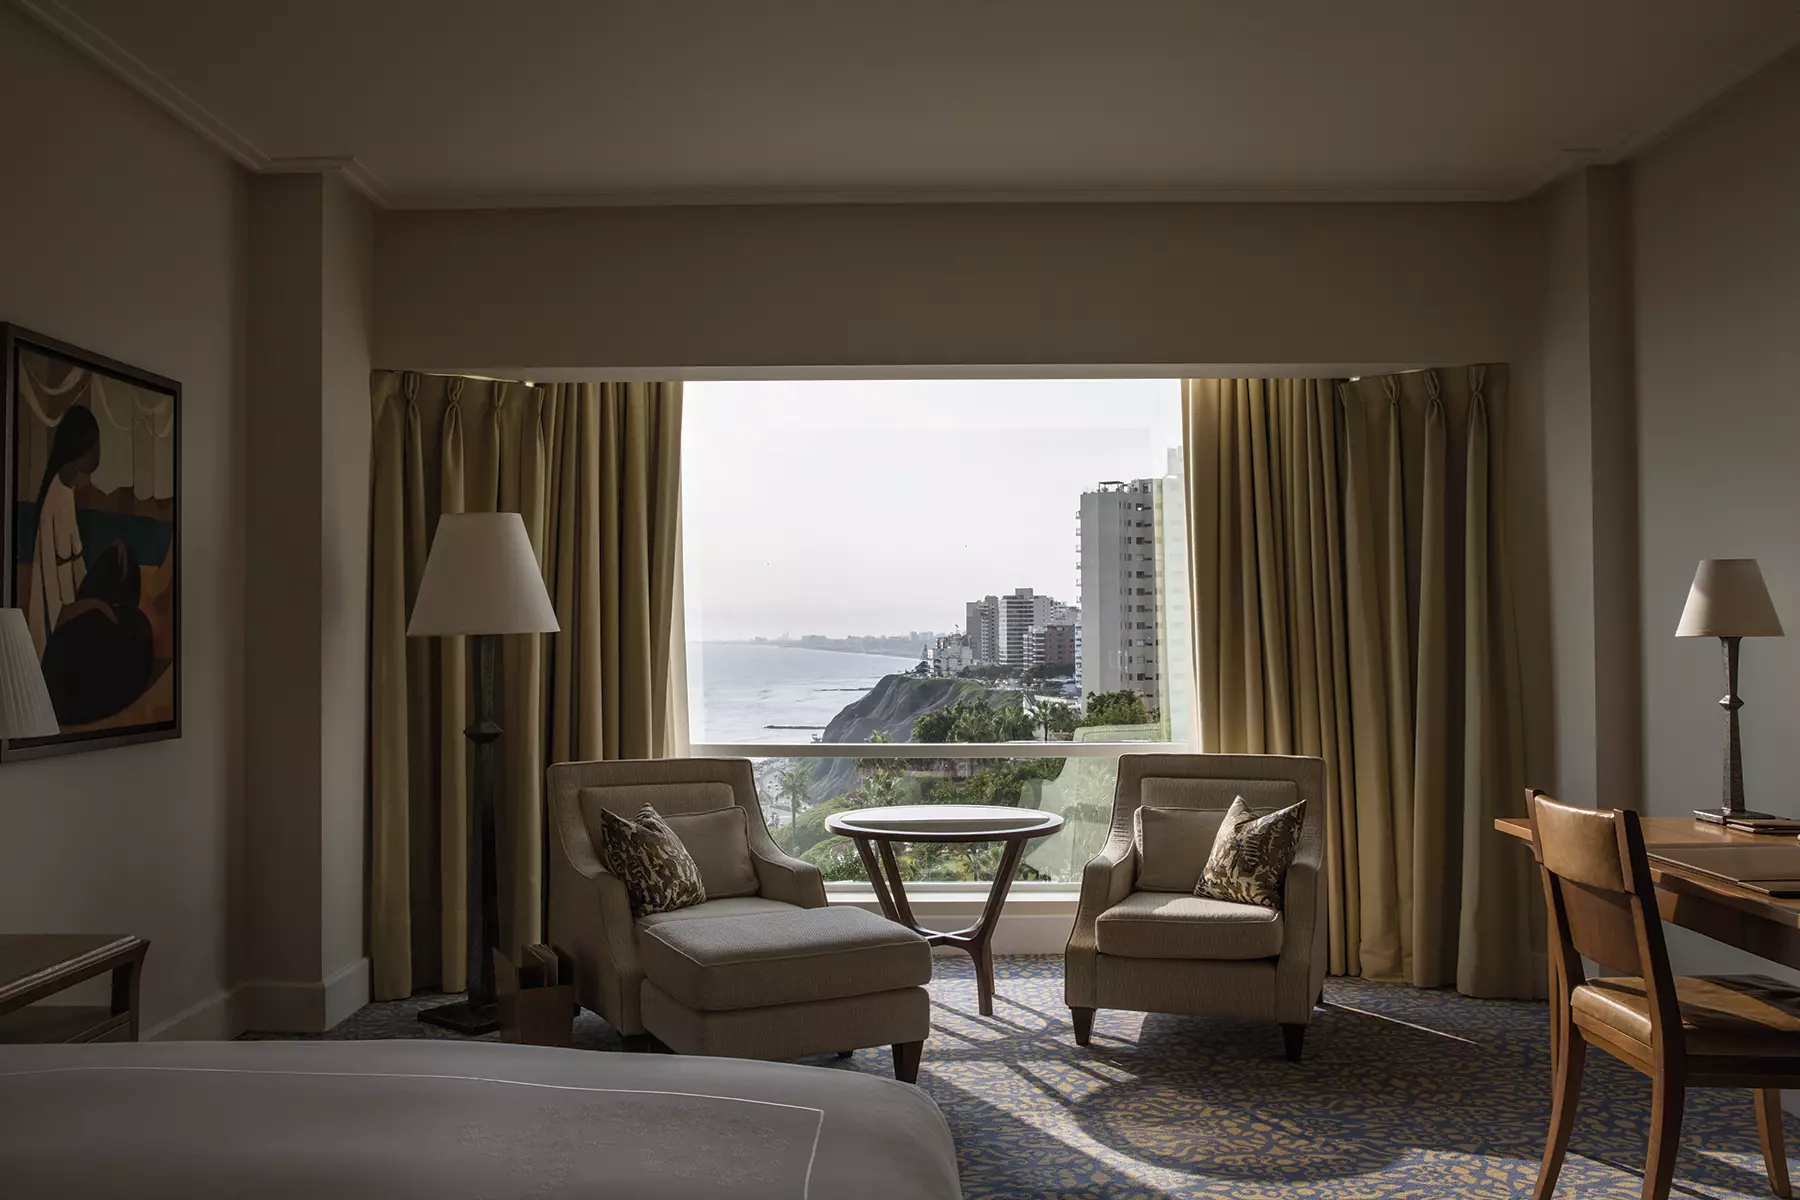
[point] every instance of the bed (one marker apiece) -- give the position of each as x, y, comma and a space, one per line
442, 1119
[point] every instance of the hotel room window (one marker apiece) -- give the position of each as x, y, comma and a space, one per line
994, 569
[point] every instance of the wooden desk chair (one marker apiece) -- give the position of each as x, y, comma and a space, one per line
1702, 1031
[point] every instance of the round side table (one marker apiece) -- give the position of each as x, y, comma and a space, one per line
875, 830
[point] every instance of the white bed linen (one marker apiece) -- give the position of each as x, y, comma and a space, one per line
448, 1120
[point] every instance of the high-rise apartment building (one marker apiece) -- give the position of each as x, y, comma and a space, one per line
1019, 613
982, 628
1119, 533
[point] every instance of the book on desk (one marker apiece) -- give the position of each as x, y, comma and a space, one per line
1772, 868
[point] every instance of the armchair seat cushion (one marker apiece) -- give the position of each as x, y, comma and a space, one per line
734, 906
788, 957
1167, 925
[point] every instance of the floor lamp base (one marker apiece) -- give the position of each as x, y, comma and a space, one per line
470, 1020
1718, 816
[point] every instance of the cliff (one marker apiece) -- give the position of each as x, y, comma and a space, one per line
890, 707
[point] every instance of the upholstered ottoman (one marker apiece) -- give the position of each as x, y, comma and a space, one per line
785, 984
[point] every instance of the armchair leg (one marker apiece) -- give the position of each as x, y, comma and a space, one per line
1293, 1036
845, 1053
906, 1061
1083, 1019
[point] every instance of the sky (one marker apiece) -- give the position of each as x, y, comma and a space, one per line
881, 507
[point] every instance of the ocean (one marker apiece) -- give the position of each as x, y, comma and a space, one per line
749, 692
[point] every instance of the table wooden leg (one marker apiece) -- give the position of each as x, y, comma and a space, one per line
897, 885
125, 991
980, 945
876, 881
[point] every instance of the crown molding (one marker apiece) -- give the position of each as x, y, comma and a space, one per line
450, 199
353, 171
134, 72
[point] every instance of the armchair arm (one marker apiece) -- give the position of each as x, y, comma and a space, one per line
590, 919
1105, 881
1300, 971
783, 877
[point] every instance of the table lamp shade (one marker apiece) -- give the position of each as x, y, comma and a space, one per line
25, 709
1728, 599
481, 577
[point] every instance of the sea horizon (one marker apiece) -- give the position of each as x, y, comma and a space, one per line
765, 692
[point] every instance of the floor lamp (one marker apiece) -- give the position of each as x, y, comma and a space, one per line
481, 581
25, 708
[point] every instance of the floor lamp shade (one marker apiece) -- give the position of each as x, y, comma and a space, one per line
481, 581
481, 577
25, 708
1729, 601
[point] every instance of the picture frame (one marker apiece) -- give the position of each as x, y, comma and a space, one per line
92, 538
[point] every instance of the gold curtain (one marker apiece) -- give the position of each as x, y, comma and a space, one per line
594, 471
1352, 601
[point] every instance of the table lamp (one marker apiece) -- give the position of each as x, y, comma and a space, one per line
481, 581
1729, 601
25, 708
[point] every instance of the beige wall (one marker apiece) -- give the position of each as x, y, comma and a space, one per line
122, 233
1716, 250
302, 963
1574, 488
344, 441
686, 289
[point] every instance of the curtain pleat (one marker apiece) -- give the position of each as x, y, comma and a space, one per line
602, 512
1352, 601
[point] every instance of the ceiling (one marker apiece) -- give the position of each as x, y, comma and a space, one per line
480, 102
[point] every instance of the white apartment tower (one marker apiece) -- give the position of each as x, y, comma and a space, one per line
1019, 612
983, 626
1119, 635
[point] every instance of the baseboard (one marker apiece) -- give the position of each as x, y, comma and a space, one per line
214, 1019
1028, 924
346, 991
281, 1007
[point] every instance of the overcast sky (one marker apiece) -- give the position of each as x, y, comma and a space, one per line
878, 507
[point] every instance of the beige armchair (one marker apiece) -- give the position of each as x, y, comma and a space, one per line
761, 969
1144, 942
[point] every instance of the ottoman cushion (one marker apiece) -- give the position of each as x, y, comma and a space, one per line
722, 963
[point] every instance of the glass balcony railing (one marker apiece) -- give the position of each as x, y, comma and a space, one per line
801, 786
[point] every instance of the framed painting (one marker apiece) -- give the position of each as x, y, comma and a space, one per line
92, 540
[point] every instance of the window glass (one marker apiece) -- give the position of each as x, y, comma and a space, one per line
935, 562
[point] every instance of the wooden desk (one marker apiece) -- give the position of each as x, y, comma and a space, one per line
1726, 912
36, 965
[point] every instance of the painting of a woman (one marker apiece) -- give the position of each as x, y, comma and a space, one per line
91, 531
60, 567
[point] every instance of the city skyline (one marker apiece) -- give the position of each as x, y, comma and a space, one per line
874, 508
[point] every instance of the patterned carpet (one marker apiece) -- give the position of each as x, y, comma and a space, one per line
1402, 1093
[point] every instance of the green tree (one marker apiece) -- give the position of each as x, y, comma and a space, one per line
1046, 671
1123, 707
1059, 720
794, 784
972, 719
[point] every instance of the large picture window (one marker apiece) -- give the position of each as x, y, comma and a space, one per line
934, 592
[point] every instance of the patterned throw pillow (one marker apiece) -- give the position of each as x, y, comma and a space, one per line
658, 872
1251, 854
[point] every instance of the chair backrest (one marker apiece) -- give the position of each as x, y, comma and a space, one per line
1208, 783
1602, 900
679, 789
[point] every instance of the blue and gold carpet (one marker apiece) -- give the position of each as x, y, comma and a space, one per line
1402, 1094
